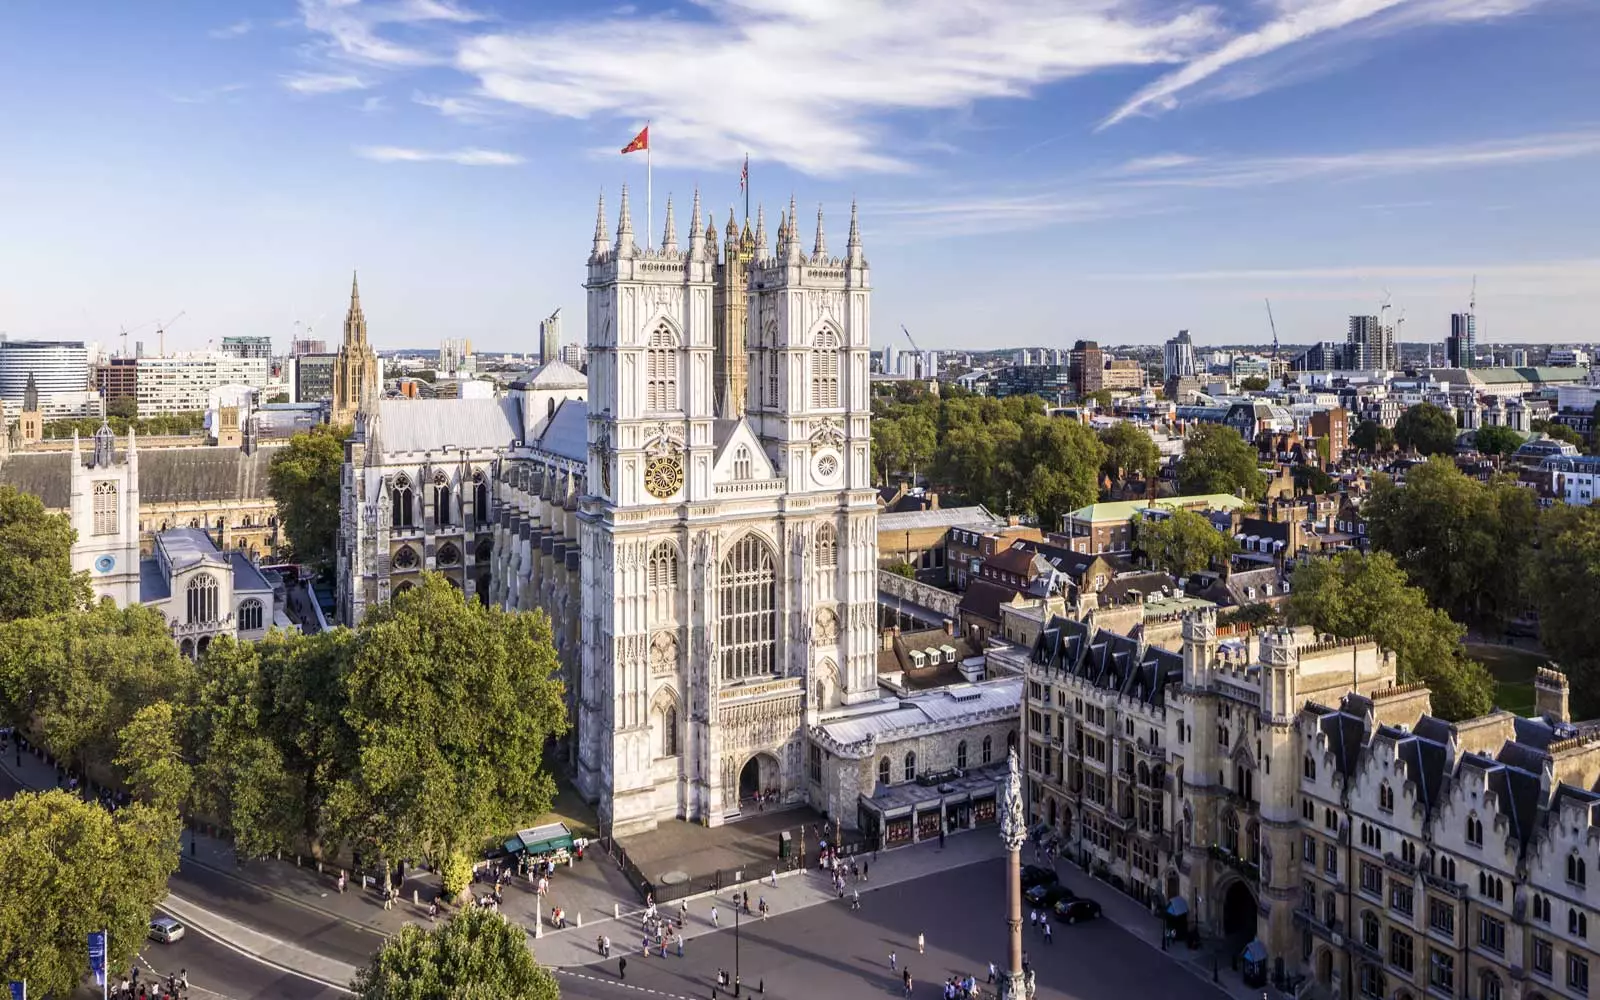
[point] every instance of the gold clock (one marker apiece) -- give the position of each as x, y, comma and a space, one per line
663, 477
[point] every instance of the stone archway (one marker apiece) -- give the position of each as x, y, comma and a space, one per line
1238, 914
761, 773
1324, 967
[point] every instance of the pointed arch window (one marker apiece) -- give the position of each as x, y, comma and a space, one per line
250, 616
1386, 798
661, 371
961, 755
105, 508
201, 599
825, 371
988, 749
404, 502
827, 546
669, 731
883, 770
664, 567
741, 464
441, 499
911, 765
480, 499
748, 605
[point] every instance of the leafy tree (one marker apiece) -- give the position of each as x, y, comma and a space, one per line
68, 867
81, 675
1498, 439
279, 397
304, 482
1255, 383
1062, 458
36, 575
451, 704
1101, 398
126, 407
1463, 542
1558, 432
1311, 479
1567, 568
1257, 615
888, 447
1181, 543
1372, 437
1217, 460
152, 758
476, 954
1130, 451
1355, 594
918, 439
455, 875
1427, 430
904, 569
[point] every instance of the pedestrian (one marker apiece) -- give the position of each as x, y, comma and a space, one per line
663, 947
1033, 919
941, 838
855, 900
342, 881
907, 978
622, 968
683, 911
680, 945
1047, 932
644, 947
921, 946
863, 871
388, 898
433, 910
774, 877
991, 972
714, 917
892, 960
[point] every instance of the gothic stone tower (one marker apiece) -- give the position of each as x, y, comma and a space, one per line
357, 379
1280, 786
727, 557
104, 510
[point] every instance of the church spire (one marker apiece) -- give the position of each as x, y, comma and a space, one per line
625, 244
669, 234
601, 245
792, 247
761, 232
711, 237
697, 241
355, 321
853, 248
819, 250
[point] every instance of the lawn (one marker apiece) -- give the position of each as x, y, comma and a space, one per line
1513, 669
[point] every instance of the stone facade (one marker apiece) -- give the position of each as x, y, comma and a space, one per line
357, 373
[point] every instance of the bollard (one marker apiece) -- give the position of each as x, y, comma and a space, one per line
319, 866
579, 917
616, 911
415, 898
538, 929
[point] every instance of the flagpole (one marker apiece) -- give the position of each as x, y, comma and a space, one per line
747, 187
649, 178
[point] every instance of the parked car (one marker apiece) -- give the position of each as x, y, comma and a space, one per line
165, 929
1072, 911
1033, 875
1045, 896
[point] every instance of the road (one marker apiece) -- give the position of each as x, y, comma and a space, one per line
829, 951
217, 971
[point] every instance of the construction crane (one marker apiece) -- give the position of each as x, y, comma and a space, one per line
161, 330
1274, 324
126, 331
913, 340
1472, 303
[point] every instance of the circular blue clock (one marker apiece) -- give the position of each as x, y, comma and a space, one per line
104, 564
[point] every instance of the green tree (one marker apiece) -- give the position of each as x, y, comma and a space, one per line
918, 439
1258, 615
1181, 543
304, 482
1498, 439
1557, 432
1255, 383
126, 407
1567, 568
1310, 479
888, 448
36, 576
1465, 543
1101, 398
451, 704
1062, 458
68, 867
1427, 430
476, 955
1372, 437
1130, 452
151, 760
1217, 460
1355, 594
278, 397
1594, 430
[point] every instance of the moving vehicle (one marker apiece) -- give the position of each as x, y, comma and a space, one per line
165, 929
1074, 910
1033, 875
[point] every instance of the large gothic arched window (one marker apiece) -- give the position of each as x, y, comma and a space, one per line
825, 371
748, 610
480, 499
250, 615
661, 371
105, 508
201, 597
827, 546
441, 499
403, 506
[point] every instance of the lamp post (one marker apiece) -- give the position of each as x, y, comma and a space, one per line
1013, 831
736, 908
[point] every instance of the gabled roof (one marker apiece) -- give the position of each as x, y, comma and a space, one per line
1108, 660
432, 424
557, 375
983, 597
567, 433
1122, 510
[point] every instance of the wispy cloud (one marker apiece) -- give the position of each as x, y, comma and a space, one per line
1296, 22
374, 104
460, 157
237, 29
1239, 172
207, 95
355, 31
460, 108
324, 83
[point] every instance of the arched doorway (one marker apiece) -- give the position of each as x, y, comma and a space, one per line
1324, 967
1238, 915
760, 775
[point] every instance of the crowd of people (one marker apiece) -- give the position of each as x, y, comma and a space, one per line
173, 987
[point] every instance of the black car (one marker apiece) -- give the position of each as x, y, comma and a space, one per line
1033, 875
1045, 896
1072, 911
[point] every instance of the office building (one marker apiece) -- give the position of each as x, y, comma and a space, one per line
575, 356
1177, 357
117, 382
1460, 348
307, 346
1329, 355
1567, 358
887, 363
550, 338
57, 366
1250, 366
1086, 367
311, 377
1123, 373
248, 347
183, 383
1049, 381
1371, 345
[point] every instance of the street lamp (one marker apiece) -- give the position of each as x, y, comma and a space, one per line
737, 907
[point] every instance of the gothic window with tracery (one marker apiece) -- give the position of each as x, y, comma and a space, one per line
661, 371
105, 508
250, 615
403, 501
405, 558
201, 597
827, 546
825, 371
449, 555
663, 578
748, 608
669, 731
441, 499
480, 499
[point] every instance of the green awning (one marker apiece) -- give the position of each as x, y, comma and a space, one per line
541, 839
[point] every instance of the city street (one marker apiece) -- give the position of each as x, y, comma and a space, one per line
216, 971
830, 951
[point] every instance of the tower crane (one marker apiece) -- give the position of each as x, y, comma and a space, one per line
913, 340
1472, 303
126, 331
161, 330
1274, 324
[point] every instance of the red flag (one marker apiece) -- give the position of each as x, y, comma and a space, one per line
744, 175
640, 141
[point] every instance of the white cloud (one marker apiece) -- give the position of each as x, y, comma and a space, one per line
237, 29
353, 31
1243, 172
460, 157
460, 108
1297, 22
208, 95
324, 83
374, 104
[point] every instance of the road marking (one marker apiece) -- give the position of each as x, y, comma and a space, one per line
606, 981
190, 990
257, 958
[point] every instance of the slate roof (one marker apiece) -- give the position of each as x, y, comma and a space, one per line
1107, 660
431, 424
567, 433
942, 517
1122, 510
949, 706
557, 375
166, 475
1073, 564
1136, 587
983, 597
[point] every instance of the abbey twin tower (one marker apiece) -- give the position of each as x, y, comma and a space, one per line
695, 513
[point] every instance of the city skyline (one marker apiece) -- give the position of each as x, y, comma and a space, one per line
1155, 171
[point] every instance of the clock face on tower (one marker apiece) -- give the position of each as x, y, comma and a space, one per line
663, 476
104, 564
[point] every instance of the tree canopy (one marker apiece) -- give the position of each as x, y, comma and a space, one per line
1217, 460
191, 422
1558, 432
1253, 383
36, 576
1498, 439
1130, 453
1465, 543
304, 481
1426, 429
1567, 568
475, 955
1355, 594
1182, 542
68, 867
1372, 437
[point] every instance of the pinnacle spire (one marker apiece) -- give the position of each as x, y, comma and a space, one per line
792, 245
711, 237
625, 244
355, 291
853, 248
733, 227
761, 232
819, 249
694, 215
601, 243
669, 234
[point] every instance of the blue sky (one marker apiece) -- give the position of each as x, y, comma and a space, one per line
1028, 171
